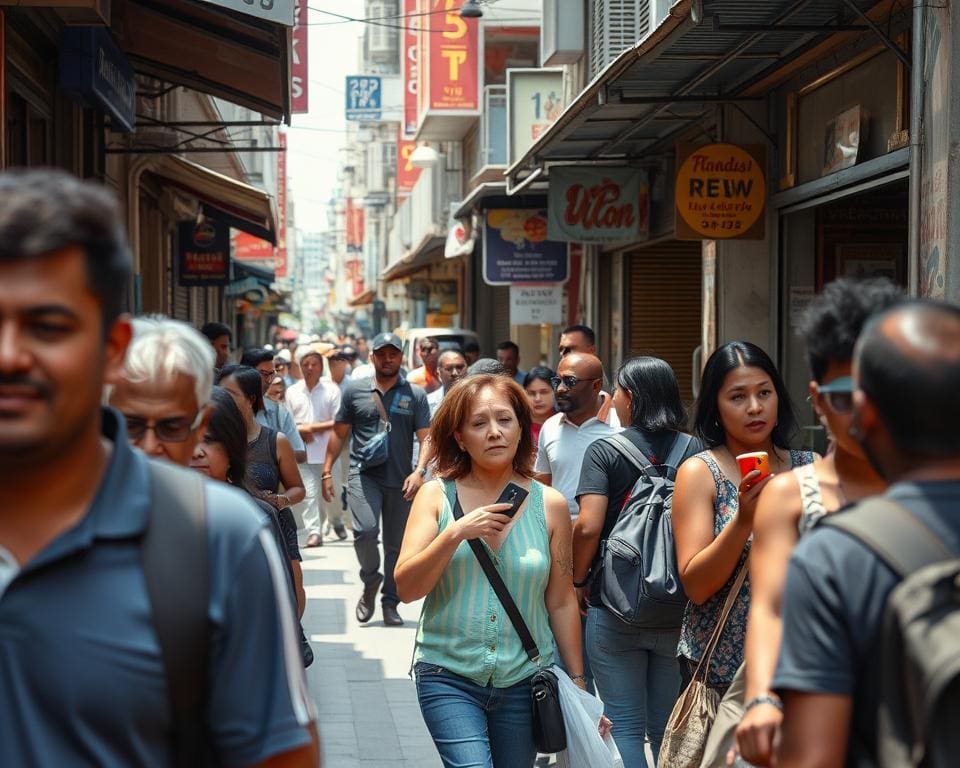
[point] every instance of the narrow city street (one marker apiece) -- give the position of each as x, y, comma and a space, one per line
369, 715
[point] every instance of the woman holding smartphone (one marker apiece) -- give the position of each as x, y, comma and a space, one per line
472, 674
743, 408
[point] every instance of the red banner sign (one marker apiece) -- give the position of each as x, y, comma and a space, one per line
249, 248
354, 270
354, 227
299, 69
450, 76
410, 117
407, 172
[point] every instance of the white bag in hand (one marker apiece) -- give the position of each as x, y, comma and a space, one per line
581, 715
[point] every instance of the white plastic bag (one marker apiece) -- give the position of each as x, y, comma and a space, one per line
581, 715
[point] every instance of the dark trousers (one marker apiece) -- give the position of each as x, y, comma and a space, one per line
370, 503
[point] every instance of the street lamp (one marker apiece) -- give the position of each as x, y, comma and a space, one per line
471, 10
424, 156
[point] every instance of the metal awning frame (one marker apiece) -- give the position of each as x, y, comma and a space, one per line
684, 16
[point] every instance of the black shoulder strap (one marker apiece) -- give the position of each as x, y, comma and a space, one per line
678, 451
175, 567
629, 451
896, 535
493, 576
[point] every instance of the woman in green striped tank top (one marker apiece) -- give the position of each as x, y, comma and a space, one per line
472, 675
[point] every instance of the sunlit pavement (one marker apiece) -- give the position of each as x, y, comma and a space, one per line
368, 708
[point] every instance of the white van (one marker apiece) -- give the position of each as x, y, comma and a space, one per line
447, 338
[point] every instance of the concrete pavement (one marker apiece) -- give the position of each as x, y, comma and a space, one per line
369, 716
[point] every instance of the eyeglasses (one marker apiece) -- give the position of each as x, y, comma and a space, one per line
838, 395
267, 374
569, 381
175, 430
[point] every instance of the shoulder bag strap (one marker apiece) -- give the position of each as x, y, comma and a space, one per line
629, 451
704, 663
897, 536
678, 450
493, 576
378, 401
176, 571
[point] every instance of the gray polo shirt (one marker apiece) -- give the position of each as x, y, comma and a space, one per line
406, 406
81, 677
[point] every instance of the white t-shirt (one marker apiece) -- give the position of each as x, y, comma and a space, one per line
312, 406
562, 447
434, 399
9, 568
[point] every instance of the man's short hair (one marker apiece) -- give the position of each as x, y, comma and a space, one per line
432, 340
44, 211
586, 330
487, 365
832, 322
256, 356
915, 391
214, 331
161, 348
451, 351
508, 345
471, 346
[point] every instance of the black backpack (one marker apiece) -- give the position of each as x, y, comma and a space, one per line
920, 669
639, 576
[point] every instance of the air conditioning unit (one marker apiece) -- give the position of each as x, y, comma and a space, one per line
615, 26
382, 40
562, 38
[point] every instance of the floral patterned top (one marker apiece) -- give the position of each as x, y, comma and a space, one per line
700, 620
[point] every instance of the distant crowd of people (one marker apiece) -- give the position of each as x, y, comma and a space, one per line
669, 563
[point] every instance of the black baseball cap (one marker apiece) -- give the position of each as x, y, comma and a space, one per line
344, 352
387, 340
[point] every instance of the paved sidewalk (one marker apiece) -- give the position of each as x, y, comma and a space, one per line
369, 716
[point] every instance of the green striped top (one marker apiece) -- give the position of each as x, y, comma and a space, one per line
464, 628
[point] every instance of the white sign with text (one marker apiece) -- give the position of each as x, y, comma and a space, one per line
536, 304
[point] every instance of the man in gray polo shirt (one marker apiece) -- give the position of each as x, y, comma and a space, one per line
383, 491
82, 676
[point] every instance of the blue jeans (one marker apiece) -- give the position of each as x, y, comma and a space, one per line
638, 679
476, 726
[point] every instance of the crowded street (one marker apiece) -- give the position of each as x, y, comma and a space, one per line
479, 384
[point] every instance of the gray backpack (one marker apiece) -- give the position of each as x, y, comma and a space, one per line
920, 669
639, 577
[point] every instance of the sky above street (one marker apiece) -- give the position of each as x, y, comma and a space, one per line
315, 139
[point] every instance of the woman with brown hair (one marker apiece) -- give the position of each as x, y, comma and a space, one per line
472, 674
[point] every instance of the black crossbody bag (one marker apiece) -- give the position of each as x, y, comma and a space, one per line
549, 730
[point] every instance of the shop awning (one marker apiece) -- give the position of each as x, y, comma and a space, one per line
248, 278
240, 205
198, 45
428, 251
494, 194
704, 53
363, 299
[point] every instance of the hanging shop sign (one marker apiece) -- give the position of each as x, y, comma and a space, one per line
364, 96
721, 192
408, 128
299, 69
599, 205
534, 102
536, 304
448, 62
94, 70
277, 11
407, 172
516, 249
203, 253
281, 254
250, 248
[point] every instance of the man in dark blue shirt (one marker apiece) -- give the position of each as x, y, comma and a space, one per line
907, 418
383, 491
82, 675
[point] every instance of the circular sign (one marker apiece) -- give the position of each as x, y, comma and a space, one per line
720, 191
204, 234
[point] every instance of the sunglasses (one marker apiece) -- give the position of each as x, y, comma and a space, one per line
167, 430
568, 381
838, 395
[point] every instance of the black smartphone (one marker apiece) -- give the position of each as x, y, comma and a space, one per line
514, 495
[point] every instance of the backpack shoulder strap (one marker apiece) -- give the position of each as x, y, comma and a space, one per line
678, 450
629, 451
175, 568
896, 535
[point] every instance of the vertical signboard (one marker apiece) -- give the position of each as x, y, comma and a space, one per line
407, 172
534, 102
299, 70
448, 71
203, 253
354, 227
281, 268
364, 97
408, 128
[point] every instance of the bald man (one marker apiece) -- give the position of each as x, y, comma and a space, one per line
907, 418
584, 416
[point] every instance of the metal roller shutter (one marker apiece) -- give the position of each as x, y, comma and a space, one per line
664, 306
499, 317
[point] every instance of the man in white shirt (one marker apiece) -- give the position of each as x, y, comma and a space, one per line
584, 415
314, 403
451, 367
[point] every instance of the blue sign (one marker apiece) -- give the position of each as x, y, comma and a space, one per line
516, 249
98, 75
364, 97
